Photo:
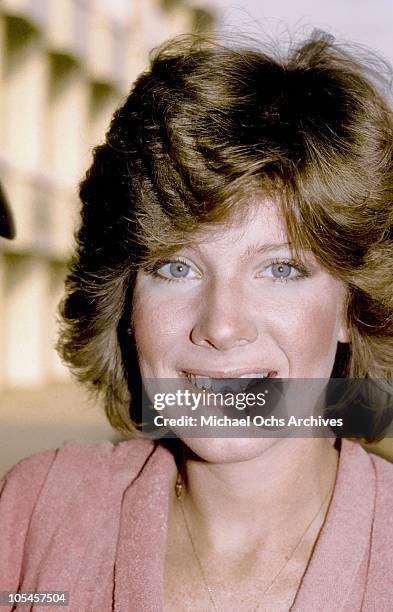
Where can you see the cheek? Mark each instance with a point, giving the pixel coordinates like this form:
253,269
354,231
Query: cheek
158,325
310,337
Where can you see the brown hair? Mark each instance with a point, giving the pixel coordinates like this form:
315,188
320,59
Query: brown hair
207,128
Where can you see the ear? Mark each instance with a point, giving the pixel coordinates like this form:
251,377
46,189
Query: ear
343,330
343,334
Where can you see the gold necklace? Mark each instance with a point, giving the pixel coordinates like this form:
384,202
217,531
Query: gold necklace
179,496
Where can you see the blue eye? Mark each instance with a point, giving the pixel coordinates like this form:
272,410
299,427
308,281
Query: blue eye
173,270
178,269
281,270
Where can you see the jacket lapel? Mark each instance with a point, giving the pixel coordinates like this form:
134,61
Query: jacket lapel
337,569
140,560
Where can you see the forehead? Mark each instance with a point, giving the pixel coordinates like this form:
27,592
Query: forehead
260,224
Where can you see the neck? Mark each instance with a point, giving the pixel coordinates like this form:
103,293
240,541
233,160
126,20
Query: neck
265,501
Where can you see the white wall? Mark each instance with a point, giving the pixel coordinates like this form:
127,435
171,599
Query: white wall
369,22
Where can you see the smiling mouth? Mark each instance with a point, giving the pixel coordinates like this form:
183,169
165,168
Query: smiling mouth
228,384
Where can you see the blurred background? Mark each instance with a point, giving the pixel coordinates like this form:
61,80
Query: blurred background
65,65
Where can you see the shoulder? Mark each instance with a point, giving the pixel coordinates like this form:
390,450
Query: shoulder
366,488
384,492
57,496
380,486
73,481
379,470
380,564
46,482
76,461
383,470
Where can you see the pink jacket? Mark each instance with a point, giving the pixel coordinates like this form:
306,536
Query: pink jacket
91,520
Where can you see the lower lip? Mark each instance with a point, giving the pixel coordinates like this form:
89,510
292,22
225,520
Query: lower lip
228,409
185,374
251,383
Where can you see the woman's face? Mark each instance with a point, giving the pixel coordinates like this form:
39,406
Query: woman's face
235,303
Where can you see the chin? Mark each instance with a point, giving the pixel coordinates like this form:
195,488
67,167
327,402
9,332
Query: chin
229,450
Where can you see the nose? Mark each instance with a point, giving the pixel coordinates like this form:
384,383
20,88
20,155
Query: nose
224,319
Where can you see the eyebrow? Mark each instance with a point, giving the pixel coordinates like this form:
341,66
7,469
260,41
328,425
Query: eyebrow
255,248
258,248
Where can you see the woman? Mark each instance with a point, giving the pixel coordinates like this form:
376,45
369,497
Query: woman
236,223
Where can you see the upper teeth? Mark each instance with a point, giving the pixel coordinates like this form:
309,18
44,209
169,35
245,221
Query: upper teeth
206,383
